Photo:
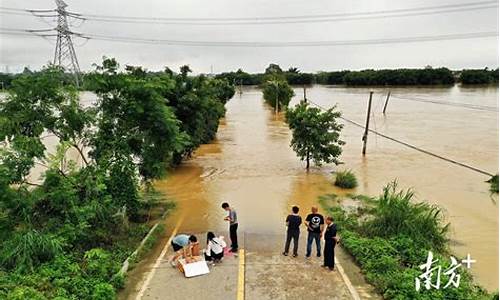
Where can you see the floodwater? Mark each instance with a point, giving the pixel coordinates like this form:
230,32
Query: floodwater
251,166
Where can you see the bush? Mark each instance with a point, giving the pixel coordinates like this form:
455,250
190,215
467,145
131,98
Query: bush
346,180
23,293
28,249
98,264
104,291
395,214
493,181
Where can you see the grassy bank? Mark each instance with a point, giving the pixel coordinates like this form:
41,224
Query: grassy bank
390,237
75,273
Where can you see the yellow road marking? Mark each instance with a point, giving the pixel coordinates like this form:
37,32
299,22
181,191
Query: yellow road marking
158,260
241,275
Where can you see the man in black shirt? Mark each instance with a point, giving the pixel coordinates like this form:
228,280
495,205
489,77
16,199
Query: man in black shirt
315,224
293,222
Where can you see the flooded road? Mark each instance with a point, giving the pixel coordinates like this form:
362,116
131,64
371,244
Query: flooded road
252,167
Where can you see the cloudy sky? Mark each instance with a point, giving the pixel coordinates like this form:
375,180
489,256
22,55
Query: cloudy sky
19,51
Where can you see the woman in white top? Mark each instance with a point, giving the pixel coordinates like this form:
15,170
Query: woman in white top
215,248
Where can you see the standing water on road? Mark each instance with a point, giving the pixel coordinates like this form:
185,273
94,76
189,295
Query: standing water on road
251,166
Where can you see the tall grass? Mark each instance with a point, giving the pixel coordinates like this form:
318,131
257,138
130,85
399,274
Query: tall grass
493,181
28,249
395,214
346,179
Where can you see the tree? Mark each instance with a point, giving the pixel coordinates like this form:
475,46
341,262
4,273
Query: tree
134,124
315,134
198,103
185,70
274,69
277,90
39,103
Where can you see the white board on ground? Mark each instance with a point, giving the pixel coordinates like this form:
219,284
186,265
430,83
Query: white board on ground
195,269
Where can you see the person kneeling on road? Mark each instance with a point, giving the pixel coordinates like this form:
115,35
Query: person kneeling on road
183,246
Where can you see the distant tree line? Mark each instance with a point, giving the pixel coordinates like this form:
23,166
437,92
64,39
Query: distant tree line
425,76
484,76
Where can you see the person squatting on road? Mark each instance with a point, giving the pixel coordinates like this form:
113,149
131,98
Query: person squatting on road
215,248
293,222
315,225
232,218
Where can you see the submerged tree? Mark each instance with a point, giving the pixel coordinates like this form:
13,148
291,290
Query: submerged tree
316,134
277,93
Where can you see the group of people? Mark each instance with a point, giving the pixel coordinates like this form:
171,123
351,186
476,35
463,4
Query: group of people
187,246
315,224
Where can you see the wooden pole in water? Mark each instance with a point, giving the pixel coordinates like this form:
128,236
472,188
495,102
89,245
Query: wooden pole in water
386,101
305,99
365,135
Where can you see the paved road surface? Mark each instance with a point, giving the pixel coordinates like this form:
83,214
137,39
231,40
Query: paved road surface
262,273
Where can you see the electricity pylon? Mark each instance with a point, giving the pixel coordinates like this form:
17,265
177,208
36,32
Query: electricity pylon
65,55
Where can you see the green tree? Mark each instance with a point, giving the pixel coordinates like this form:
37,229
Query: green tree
198,103
274,69
39,104
315,134
134,124
277,93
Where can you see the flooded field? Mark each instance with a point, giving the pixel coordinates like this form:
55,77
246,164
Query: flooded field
252,167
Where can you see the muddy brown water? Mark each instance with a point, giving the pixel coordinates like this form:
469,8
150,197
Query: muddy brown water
251,166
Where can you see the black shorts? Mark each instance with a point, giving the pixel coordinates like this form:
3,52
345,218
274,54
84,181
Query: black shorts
214,256
176,247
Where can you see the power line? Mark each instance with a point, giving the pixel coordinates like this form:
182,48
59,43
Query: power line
465,105
446,6
380,14
324,20
410,145
460,5
458,36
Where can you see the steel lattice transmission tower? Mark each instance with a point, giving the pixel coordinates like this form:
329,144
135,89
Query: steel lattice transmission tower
65,55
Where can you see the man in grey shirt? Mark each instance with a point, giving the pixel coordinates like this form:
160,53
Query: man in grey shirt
232,218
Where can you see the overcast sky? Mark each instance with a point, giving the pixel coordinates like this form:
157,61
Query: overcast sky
20,51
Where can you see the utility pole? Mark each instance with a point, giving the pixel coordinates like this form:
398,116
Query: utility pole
305,98
386,101
64,54
365,135
277,99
